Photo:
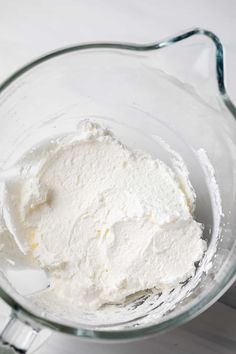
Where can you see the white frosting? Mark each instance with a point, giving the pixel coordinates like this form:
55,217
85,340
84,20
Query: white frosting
103,220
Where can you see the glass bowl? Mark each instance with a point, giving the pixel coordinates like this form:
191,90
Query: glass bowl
184,109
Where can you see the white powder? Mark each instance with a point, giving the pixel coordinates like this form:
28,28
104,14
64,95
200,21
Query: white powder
105,221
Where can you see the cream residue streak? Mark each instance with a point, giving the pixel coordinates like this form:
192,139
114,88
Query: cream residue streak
103,220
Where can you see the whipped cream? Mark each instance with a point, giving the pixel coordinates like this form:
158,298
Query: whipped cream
104,221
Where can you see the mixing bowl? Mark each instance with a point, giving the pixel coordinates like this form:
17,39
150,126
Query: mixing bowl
182,111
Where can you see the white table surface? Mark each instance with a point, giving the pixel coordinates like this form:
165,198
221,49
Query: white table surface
29,28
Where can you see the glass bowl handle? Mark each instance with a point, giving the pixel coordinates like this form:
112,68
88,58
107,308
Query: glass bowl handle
18,335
